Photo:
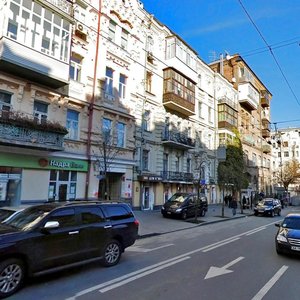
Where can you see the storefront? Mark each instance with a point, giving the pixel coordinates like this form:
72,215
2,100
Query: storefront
28,179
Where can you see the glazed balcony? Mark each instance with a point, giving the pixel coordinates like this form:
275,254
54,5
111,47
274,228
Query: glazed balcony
265,133
32,65
228,102
266,148
177,176
265,99
226,125
23,131
177,140
248,96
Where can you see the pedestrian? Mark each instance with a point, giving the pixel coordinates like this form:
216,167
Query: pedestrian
233,205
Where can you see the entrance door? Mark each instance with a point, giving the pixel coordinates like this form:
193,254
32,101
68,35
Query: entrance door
62,192
146,198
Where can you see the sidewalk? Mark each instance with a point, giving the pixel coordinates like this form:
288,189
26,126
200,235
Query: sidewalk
153,223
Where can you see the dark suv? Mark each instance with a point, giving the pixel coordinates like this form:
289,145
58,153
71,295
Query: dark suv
49,237
184,205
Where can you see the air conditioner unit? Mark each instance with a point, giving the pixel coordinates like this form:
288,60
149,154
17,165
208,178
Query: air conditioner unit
80,27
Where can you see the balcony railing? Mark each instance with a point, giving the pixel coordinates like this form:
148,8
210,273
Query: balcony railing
265,133
265,99
177,176
229,102
175,102
22,131
266,148
177,140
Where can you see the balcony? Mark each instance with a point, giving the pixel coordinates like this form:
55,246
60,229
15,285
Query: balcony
265,99
226,125
177,140
177,176
266,148
176,103
248,139
229,102
21,131
248,96
265,133
32,65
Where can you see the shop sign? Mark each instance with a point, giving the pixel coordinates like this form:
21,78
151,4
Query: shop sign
149,178
63,164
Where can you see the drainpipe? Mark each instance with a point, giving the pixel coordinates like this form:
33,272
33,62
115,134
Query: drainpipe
91,108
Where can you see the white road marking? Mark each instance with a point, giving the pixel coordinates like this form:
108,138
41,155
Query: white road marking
270,283
116,285
255,231
219,244
145,250
217,271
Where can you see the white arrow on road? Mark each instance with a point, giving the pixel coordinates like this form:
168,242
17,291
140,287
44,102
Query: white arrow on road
215,271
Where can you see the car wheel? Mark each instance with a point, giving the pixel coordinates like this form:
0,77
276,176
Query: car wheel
255,213
12,273
112,253
279,212
184,215
272,213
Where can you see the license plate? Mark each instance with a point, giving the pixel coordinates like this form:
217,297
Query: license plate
261,210
295,248
168,212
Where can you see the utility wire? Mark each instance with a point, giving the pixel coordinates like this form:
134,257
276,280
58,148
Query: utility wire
271,51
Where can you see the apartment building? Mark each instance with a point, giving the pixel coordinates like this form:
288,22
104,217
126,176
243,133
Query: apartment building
253,120
285,148
106,99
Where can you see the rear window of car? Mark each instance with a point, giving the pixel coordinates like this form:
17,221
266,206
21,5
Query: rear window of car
118,212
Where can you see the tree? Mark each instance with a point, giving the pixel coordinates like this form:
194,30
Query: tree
289,173
231,172
107,154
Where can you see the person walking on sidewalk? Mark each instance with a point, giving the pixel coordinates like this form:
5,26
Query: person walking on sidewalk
233,205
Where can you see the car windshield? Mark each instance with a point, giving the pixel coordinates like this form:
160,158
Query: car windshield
292,223
27,218
177,198
267,202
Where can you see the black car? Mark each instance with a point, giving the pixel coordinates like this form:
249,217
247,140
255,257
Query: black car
49,237
287,239
184,205
268,207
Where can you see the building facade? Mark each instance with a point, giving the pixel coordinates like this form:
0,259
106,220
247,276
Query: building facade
108,102
253,120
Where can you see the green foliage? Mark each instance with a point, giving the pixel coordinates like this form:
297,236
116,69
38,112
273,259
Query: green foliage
232,170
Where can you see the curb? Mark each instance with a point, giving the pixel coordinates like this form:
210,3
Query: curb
147,235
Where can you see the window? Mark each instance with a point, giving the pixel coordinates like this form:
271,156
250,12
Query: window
145,160
118,212
75,67
65,217
124,39
146,121
286,154
200,109
150,43
148,82
5,105
254,160
121,134
210,119
36,27
112,30
40,111
165,162
109,81
90,215
279,154
106,130
188,165
72,124
122,86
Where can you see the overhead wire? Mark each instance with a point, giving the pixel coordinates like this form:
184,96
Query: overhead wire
271,51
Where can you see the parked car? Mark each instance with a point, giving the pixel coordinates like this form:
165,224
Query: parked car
49,237
268,207
8,211
184,205
287,239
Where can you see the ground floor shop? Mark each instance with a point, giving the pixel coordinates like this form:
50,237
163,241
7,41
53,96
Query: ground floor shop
26,179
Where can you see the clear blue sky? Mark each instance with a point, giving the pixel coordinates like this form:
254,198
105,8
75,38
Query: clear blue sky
223,25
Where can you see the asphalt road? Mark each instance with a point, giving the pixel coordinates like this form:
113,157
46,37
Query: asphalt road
233,260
